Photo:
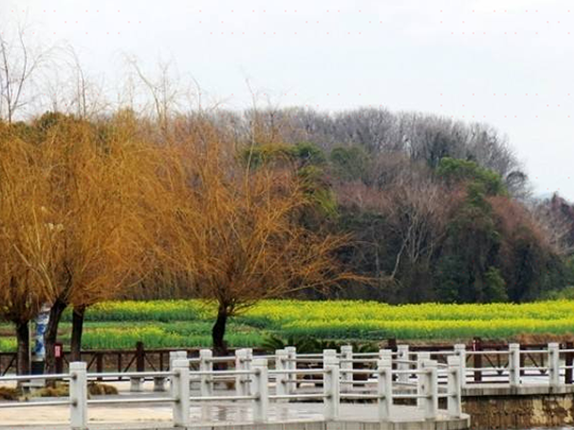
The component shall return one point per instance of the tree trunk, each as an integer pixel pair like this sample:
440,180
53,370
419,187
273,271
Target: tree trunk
77,329
218,332
51,335
23,339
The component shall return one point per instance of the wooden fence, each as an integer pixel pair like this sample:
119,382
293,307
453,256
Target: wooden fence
141,359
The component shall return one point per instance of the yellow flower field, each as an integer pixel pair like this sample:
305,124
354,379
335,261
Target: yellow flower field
187,323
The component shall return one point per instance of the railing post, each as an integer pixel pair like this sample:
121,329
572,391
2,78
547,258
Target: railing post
78,396
140,357
568,361
477,359
176,355
240,355
180,391
421,357
329,354
346,365
460,351
136,383
99,363
523,361
292,366
247,366
386,354
206,365
331,387
385,389
159,381
430,389
260,390
403,354
514,364
554,364
281,364
454,387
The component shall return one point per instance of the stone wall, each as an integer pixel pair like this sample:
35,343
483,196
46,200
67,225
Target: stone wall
520,411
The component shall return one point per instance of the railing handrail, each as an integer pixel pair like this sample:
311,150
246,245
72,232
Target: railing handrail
163,373
33,377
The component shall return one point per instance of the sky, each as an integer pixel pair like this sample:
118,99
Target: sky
509,63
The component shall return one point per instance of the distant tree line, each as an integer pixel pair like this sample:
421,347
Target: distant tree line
439,210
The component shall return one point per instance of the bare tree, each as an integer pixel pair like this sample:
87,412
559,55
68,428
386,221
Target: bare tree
418,214
164,89
88,98
69,88
19,63
554,223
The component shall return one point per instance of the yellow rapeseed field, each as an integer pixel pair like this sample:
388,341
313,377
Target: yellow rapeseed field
187,323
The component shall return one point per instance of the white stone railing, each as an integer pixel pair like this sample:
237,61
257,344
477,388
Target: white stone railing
255,382
511,372
331,377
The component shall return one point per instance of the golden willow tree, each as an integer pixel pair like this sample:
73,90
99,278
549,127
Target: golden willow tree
84,216
234,229
25,236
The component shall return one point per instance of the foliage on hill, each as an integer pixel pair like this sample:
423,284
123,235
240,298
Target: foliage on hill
438,209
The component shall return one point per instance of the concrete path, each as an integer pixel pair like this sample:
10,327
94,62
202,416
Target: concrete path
224,414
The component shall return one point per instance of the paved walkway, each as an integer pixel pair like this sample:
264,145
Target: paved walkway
130,416
223,413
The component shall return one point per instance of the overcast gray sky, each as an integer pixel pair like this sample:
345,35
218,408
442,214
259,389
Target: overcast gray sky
508,63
